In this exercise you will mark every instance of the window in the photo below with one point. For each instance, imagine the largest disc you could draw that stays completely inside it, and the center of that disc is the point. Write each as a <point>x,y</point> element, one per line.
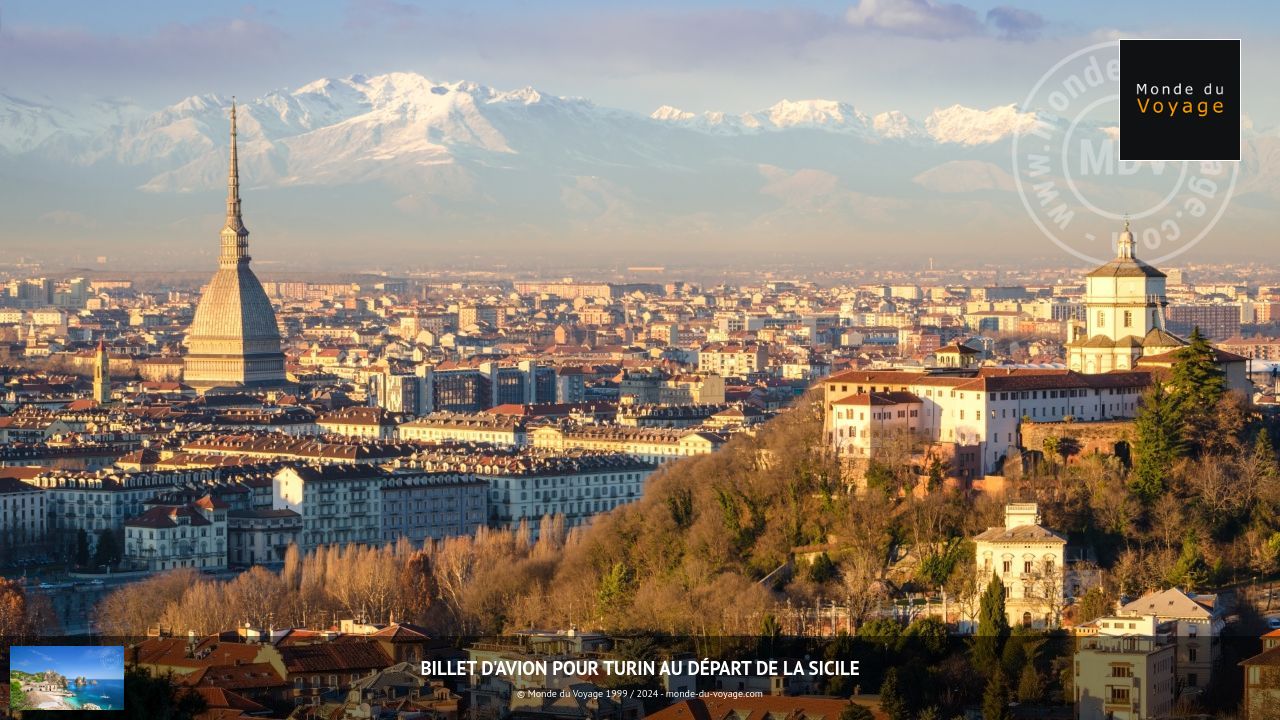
<point>1026,567</point>
<point>1128,318</point>
<point>1122,671</point>
<point>1008,565</point>
<point>1119,694</point>
<point>1102,317</point>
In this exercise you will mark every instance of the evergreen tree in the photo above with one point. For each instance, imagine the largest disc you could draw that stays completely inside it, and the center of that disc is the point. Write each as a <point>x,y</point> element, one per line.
<point>82,548</point>
<point>1190,571</point>
<point>822,569</point>
<point>1196,377</point>
<point>1030,688</point>
<point>107,553</point>
<point>993,626</point>
<point>892,699</point>
<point>1198,384</point>
<point>995,700</point>
<point>993,619</point>
<point>1159,427</point>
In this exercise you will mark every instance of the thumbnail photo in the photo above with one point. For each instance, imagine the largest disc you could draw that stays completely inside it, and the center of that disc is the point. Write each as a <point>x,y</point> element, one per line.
<point>66,677</point>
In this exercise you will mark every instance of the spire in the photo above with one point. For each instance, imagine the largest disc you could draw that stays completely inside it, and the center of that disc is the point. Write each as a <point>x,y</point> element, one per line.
<point>235,237</point>
<point>1124,246</point>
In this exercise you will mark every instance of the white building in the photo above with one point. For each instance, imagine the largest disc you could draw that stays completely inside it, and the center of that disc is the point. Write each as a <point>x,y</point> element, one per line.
<point>23,515</point>
<point>1125,671</point>
<point>527,488</point>
<point>976,413</point>
<point>190,535</point>
<point>339,504</point>
<point>1029,560</point>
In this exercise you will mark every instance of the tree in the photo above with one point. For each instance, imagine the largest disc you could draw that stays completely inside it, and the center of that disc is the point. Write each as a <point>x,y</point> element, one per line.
<point>893,701</point>
<point>1190,571</point>
<point>1198,384</point>
<point>13,609</point>
<point>17,698</point>
<point>1095,603</point>
<point>157,698</point>
<point>108,551</point>
<point>82,548</point>
<point>1159,427</point>
<point>995,699</point>
<point>1051,448</point>
<point>854,711</point>
<point>822,569</point>
<point>993,625</point>
<point>1030,687</point>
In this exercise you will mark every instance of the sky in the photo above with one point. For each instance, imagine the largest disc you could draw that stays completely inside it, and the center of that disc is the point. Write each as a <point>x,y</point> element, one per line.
<point>91,662</point>
<point>913,56</point>
<point>909,55</point>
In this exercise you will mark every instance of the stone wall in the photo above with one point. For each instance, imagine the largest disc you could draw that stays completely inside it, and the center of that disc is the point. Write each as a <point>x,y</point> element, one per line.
<point>1111,437</point>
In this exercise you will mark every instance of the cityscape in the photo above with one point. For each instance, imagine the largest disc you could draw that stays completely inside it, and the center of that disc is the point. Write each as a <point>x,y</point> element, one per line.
<point>494,476</point>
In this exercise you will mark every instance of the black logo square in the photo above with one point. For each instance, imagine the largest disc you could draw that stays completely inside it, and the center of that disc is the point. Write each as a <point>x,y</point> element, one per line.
<point>1179,99</point>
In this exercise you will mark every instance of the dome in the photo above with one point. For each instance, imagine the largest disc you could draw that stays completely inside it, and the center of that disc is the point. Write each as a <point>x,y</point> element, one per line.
<point>234,311</point>
<point>233,340</point>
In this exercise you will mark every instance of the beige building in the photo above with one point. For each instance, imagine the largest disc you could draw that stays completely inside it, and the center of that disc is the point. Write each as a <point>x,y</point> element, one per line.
<point>339,504</point>
<point>732,359</point>
<point>1029,560</point>
<point>649,444</point>
<point>1124,314</point>
<point>862,423</point>
<point>508,430</point>
<point>1125,671</point>
<point>359,422</point>
<point>1197,622</point>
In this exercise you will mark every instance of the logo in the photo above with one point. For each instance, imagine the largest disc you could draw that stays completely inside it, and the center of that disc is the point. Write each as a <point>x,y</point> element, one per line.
<point>1071,180</point>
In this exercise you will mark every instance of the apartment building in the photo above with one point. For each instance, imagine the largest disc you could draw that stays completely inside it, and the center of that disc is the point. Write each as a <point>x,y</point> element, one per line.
<point>975,412</point>
<point>178,534</point>
<point>423,506</point>
<point>576,486</point>
<point>1125,671</point>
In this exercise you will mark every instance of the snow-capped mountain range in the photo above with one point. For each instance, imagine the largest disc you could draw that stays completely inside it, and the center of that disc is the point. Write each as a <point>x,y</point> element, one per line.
<point>440,160</point>
<point>357,128</point>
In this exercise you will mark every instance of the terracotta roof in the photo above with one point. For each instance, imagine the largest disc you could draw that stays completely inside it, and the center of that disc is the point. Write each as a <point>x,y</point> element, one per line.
<point>1266,657</point>
<point>209,651</point>
<point>245,676</point>
<point>880,398</point>
<point>166,517</point>
<point>326,657</point>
